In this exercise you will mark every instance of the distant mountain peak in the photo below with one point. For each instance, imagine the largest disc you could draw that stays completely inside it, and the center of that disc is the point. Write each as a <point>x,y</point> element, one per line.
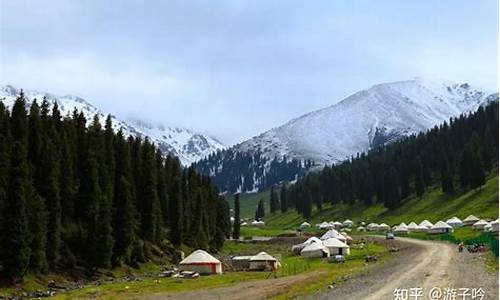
<point>187,144</point>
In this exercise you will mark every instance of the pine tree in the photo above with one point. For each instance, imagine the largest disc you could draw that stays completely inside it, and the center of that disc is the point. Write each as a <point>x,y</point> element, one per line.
<point>15,236</point>
<point>260,211</point>
<point>273,201</point>
<point>419,179</point>
<point>392,191</point>
<point>49,190</point>
<point>175,212</point>
<point>283,199</point>
<point>446,175</point>
<point>236,223</point>
<point>149,196</point>
<point>307,205</point>
<point>38,218</point>
<point>125,224</point>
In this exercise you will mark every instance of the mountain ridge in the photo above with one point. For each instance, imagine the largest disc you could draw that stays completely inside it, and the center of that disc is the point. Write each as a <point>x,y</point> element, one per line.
<point>187,144</point>
<point>362,121</point>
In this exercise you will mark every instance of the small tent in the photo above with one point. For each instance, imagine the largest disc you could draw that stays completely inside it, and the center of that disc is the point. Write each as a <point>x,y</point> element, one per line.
<point>263,261</point>
<point>401,229</point>
<point>455,222</point>
<point>426,223</point>
<point>412,226</point>
<point>383,227</point>
<point>332,233</point>
<point>325,225</point>
<point>304,225</point>
<point>297,248</point>
<point>239,263</point>
<point>202,262</point>
<point>347,223</point>
<point>372,227</point>
<point>440,227</point>
<point>470,220</point>
<point>361,229</point>
<point>315,250</point>
<point>336,247</point>
<point>480,224</point>
<point>337,225</point>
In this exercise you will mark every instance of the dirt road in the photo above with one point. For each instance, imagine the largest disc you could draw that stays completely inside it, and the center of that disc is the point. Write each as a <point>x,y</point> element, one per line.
<point>420,264</point>
<point>427,265</point>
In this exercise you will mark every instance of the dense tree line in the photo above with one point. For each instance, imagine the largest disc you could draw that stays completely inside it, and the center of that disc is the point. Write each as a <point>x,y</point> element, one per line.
<point>455,156</point>
<point>74,193</point>
<point>236,171</point>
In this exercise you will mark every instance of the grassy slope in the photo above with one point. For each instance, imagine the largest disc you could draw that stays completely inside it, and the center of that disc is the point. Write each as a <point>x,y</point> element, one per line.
<point>433,206</point>
<point>249,202</point>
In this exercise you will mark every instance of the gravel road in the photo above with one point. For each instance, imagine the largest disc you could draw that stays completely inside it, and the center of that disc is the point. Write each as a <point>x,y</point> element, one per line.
<point>428,265</point>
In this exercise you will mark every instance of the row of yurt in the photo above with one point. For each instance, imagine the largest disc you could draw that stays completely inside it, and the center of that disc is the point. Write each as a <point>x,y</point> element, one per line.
<point>202,262</point>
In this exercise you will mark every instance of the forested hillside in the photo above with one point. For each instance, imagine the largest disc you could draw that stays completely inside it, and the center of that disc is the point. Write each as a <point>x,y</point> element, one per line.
<point>75,194</point>
<point>456,155</point>
<point>235,171</point>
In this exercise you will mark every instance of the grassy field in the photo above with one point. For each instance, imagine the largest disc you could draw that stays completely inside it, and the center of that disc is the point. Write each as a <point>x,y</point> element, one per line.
<point>322,274</point>
<point>433,205</point>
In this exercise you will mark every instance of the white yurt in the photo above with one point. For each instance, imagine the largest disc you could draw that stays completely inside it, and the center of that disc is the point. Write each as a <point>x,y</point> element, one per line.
<point>347,223</point>
<point>325,225</point>
<point>337,225</point>
<point>480,224</point>
<point>332,233</point>
<point>304,225</point>
<point>470,220</point>
<point>297,248</point>
<point>455,222</point>
<point>401,229</point>
<point>372,227</point>
<point>494,226</point>
<point>412,227</point>
<point>426,223</point>
<point>440,227</point>
<point>336,247</point>
<point>361,229</point>
<point>383,227</point>
<point>315,250</point>
<point>263,261</point>
<point>202,262</point>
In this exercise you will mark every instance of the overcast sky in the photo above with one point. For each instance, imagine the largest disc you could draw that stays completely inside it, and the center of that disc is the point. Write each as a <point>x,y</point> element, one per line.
<point>237,68</point>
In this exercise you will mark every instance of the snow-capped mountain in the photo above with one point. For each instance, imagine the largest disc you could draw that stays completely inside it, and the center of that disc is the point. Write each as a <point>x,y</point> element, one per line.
<point>365,120</point>
<point>368,118</point>
<point>186,144</point>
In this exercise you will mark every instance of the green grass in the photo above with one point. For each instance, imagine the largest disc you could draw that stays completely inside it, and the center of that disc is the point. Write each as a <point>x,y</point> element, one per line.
<point>249,202</point>
<point>433,205</point>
